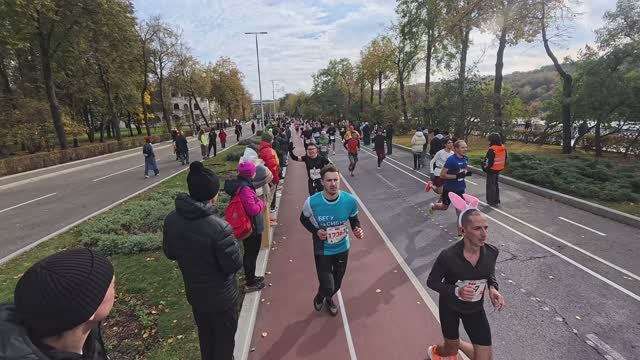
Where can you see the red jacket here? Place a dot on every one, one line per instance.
(223, 136)
(268, 155)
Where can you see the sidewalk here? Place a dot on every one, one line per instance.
(382, 314)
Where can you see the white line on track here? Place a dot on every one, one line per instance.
(407, 270)
(612, 354)
(27, 202)
(119, 172)
(582, 226)
(347, 329)
(580, 266)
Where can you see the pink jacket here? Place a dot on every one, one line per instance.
(250, 201)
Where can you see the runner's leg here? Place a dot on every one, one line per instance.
(339, 267)
(325, 276)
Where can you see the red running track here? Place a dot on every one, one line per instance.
(391, 324)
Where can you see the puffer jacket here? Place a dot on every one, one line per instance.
(270, 158)
(15, 343)
(417, 141)
(251, 203)
(206, 251)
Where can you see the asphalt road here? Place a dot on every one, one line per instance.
(571, 293)
(38, 203)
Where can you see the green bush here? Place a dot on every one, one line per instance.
(234, 155)
(579, 176)
(111, 244)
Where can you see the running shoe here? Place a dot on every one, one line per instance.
(433, 355)
(331, 306)
(318, 302)
(146, 176)
(253, 286)
(428, 187)
(431, 211)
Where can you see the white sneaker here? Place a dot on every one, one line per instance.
(146, 176)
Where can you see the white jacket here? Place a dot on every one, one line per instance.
(438, 161)
(417, 141)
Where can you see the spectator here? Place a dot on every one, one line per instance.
(223, 138)
(149, 158)
(212, 142)
(270, 158)
(208, 255)
(58, 306)
(182, 148)
(416, 145)
(203, 138)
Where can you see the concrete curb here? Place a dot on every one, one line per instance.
(251, 302)
(563, 198)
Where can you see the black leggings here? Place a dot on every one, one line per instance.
(331, 269)
(216, 333)
(251, 250)
(416, 161)
(215, 149)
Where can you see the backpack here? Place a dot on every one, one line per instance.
(238, 219)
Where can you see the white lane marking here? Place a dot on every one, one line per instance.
(55, 233)
(582, 226)
(577, 248)
(119, 172)
(606, 348)
(407, 270)
(580, 266)
(347, 329)
(27, 202)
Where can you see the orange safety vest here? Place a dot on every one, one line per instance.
(500, 158)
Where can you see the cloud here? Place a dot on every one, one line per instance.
(305, 34)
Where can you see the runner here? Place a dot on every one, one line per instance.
(378, 145)
(461, 274)
(343, 128)
(325, 215)
(307, 135)
(323, 142)
(436, 165)
(352, 144)
(332, 137)
(314, 163)
(316, 131)
(453, 172)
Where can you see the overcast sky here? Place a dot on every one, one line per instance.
(304, 35)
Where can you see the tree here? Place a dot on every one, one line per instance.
(54, 23)
(165, 50)
(226, 85)
(191, 78)
(407, 48)
(510, 25)
(554, 11)
(146, 34)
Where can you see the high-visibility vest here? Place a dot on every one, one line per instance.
(500, 158)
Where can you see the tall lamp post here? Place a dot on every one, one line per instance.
(259, 80)
(273, 86)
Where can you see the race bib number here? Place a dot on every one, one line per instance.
(307, 141)
(314, 174)
(336, 234)
(332, 137)
(478, 285)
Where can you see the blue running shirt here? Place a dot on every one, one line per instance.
(332, 216)
(454, 165)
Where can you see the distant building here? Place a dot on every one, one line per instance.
(178, 106)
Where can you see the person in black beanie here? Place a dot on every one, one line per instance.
(58, 305)
(209, 257)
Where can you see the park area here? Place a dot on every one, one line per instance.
(611, 180)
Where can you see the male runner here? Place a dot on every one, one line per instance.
(352, 144)
(436, 165)
(314, 163)
(326, 215)
(332, 137)
(453, 172)
(461, 274)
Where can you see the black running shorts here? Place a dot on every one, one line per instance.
(475, 324)
(445, 196)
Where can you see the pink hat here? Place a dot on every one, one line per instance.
(247, 169)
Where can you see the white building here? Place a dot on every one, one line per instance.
(179, 107)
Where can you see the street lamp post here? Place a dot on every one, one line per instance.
(273, 86)
(259, 80)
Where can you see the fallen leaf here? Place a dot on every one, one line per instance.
(378, 290)
(264, 334)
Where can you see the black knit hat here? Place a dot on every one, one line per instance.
(203, 183)
(62, 291)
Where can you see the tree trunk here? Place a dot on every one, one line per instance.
(4, 75)
(362, 97)
(465, 30)
(196, 125)
(200, 109)
(106, 83)
(165, 112)
(45, 58)
(371, 94)
(230, 113)
(427, 78)
(598, 139)
(567, 89)
(403, 100)
(145, 87)
(497, 87)
(101, 130)
(130, 122)
(379, 87)
(91, 129)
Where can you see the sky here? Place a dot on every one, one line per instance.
(303, 35)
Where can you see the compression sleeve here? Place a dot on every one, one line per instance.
(306, 222)
(354, 221)
(434, 281)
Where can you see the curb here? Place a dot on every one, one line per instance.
(593, 208)
(251, 302)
